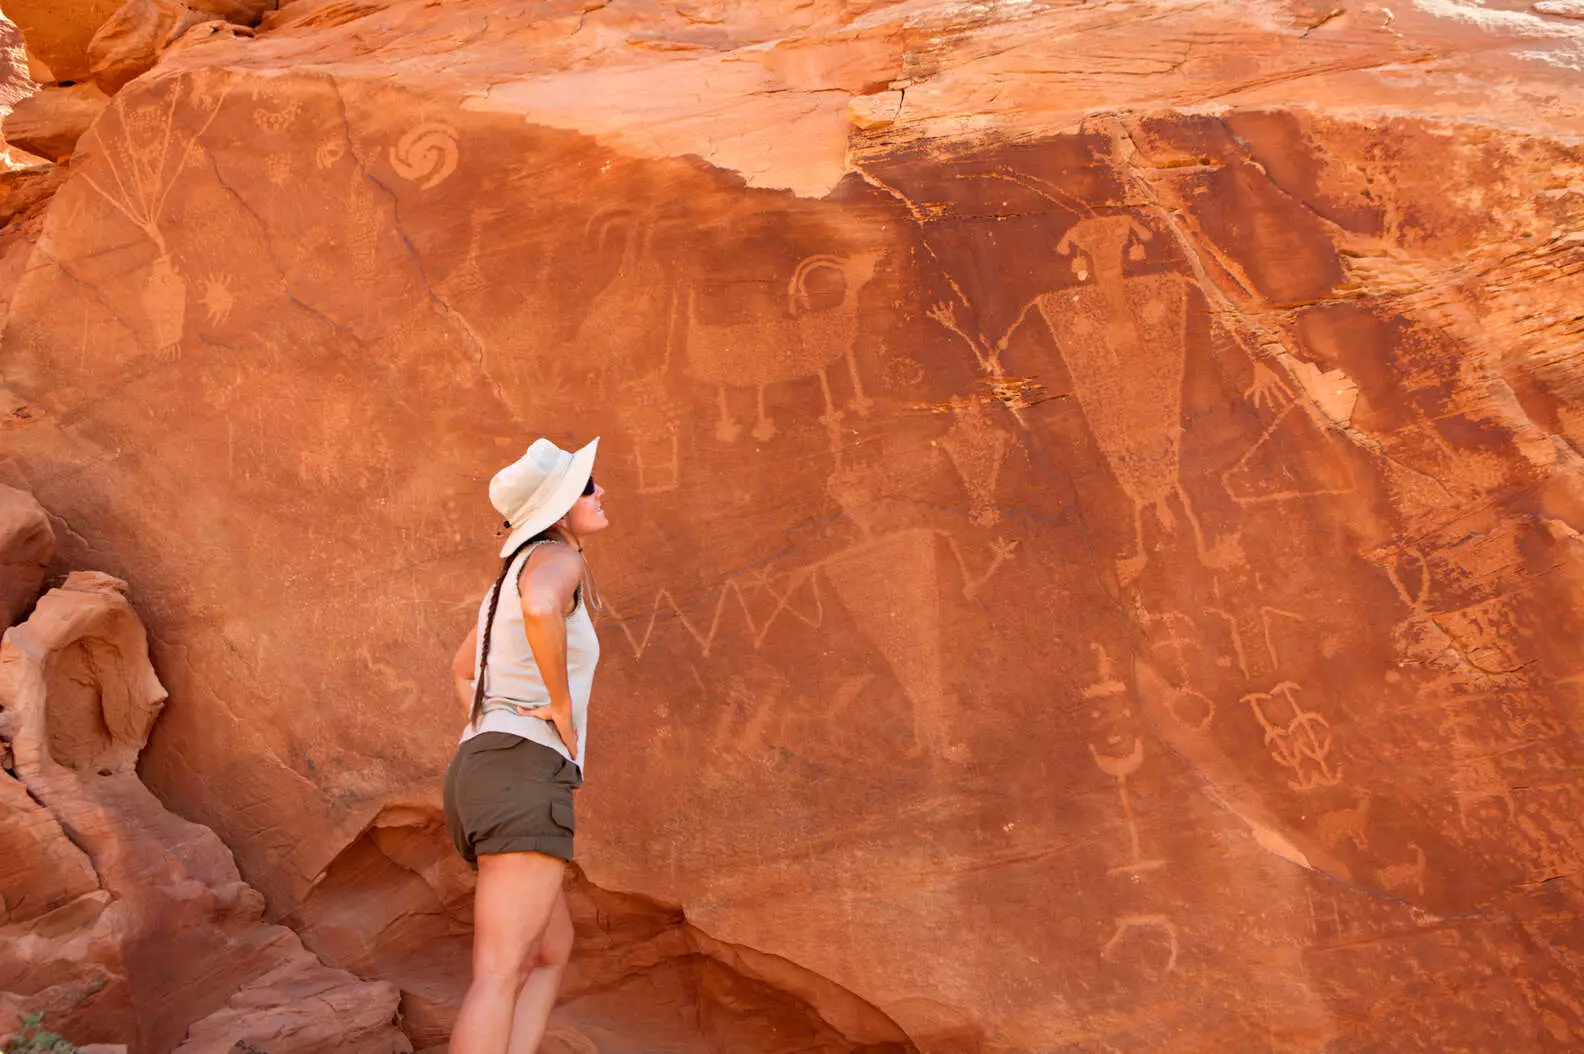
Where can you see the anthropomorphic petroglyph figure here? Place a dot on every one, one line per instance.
(1124, 340)
(801, 343)
(624, 340)
(977, 449)
(1113, 713)
(890, 581)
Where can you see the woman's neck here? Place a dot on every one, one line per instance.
(565, 535)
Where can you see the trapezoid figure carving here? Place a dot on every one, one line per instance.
(801, 343)
(1124, 340)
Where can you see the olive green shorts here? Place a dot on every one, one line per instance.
(507, 794)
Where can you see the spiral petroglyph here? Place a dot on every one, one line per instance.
(426, 155)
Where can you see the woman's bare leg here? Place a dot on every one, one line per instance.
(515, 900)
(538, 994)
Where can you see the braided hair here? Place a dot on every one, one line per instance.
(489, 619)
(489, 625)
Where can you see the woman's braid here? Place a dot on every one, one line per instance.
(489, 627)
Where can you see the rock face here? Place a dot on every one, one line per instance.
(27, 544)
(1097, 489)
(124, 922)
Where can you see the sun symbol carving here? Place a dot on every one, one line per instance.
(217, 300)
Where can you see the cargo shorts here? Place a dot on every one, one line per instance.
(507, 794)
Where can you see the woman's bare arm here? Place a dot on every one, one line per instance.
(462, 669)
(547, 585)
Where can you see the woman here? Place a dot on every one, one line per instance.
(508, 792)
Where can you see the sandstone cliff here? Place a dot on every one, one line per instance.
(1097, 492)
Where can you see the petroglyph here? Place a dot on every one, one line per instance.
(1236, 636)
(659, 461)
(278, 169)
(329, 151)
(144, 160)
(1119, 766)
(1349, 824)
(1295, 435)
(748, 590)
(1124, 339)
(1265, 624)
(1188, 706)
(1144, 930)
(1407, 876)
(802, 343)
(630, 314)
(889, 581)
(427, 155)
(1298, 739)
(276, 121)
(217, 299)
(977, 449)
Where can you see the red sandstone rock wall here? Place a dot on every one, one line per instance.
(1097, 494)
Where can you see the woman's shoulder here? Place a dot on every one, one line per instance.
(552, 557)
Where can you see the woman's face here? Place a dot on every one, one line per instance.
(588, 515)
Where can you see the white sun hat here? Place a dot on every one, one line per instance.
(539, 488)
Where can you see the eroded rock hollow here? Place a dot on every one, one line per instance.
(1097, 493)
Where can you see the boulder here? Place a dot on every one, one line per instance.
(27, 545)
(129, 43)
(49, 122)
(61, 42)
(130, 923)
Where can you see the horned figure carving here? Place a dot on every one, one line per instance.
(802, 343)
(1123, 338)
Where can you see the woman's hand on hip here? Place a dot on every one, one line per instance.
(560, 717)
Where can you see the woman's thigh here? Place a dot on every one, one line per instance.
(517, 895)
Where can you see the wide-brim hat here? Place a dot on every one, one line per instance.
(539, 488)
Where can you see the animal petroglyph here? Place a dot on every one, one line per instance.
(1410, 875)
(1347, 824)
(799, 344)
(1297, 739)
(427, 155)
(1124, 339)
(977, 449)
(1144, 930)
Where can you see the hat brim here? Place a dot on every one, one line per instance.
(561, 500)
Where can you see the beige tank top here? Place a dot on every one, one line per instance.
(512, 677)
